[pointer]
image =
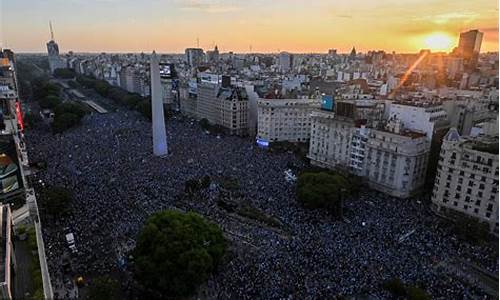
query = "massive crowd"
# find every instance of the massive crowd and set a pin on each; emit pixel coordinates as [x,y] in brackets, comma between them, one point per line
[107,163]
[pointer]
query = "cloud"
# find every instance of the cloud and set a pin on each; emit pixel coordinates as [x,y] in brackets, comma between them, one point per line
[449,17]
[208,6]
[344,16]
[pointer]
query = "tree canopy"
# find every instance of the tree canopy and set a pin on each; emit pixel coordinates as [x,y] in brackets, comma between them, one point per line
[64,73]
[56,200]
[321,190]
[176,252]
[49,102]
[103,288]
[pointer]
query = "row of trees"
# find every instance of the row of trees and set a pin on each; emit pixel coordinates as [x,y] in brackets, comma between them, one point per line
[399,290]
[56,200]
[118,95]
[324,189]
[46,93]
[67,115]
[64,73]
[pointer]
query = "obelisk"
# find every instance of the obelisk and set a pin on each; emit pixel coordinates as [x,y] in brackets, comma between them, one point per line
[160,147]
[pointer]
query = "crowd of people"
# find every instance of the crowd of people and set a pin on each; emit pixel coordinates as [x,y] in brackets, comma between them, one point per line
[117,183]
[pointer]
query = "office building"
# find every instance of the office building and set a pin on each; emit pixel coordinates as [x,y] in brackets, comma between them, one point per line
[55,61]
[392,159]
[285,119]
[469,47]
[396,160]
[467,178]
[285,62]
[330,142]
[194,57]
[222,104]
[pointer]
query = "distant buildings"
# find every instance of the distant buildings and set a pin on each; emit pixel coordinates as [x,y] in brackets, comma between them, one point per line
[213,56]
[469,47]
[467,178]
[194,57]
[285,62]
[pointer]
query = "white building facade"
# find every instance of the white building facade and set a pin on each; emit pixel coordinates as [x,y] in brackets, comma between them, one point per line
[285,119]
[467,178]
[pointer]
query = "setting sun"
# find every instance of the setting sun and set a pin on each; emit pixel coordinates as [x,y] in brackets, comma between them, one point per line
[438,42]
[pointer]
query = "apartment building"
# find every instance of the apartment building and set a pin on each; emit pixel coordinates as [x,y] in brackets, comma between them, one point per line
[224,105]
[396,160]
[285,119]
[331,138]
[391,158]
[467,178]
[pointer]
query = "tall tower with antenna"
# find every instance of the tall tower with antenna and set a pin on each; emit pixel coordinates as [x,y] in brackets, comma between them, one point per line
[55,61]
[51,31]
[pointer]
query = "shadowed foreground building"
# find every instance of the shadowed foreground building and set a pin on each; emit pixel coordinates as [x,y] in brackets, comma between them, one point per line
[467,178]
[7,258]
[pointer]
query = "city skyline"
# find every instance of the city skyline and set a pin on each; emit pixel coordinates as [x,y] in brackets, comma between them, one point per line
[252,26]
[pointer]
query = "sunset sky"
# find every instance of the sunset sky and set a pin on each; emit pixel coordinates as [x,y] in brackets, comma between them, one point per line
[268,25]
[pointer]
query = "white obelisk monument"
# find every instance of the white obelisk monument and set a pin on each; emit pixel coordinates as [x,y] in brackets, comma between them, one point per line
[160,147]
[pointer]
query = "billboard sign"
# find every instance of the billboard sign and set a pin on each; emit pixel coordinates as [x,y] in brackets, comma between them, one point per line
[327,102]
[167,71]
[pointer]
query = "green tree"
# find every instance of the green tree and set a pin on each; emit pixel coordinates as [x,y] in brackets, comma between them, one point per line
[472,229]
[204,124]
[416,293]
[56,200]
[320,190]
[64,73]
[131,100]
[102,88]
[205,182]
[395,287]
[70,107]
[49,102]
[65,121]
[176,252]
[144,107]
[103,288]
[86,81]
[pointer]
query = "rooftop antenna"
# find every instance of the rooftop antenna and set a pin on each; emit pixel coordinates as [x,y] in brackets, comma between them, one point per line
[51,31]
[250,48]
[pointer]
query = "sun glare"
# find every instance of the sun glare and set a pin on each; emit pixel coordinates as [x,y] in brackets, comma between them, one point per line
[438,42]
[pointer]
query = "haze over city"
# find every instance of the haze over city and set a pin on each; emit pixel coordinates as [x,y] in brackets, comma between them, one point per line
[300,26]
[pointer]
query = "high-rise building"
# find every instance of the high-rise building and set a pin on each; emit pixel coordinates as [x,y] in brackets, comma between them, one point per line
[194,57]
[286,61]
[159,132]
[469,47]
[55,61]
[223,104]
